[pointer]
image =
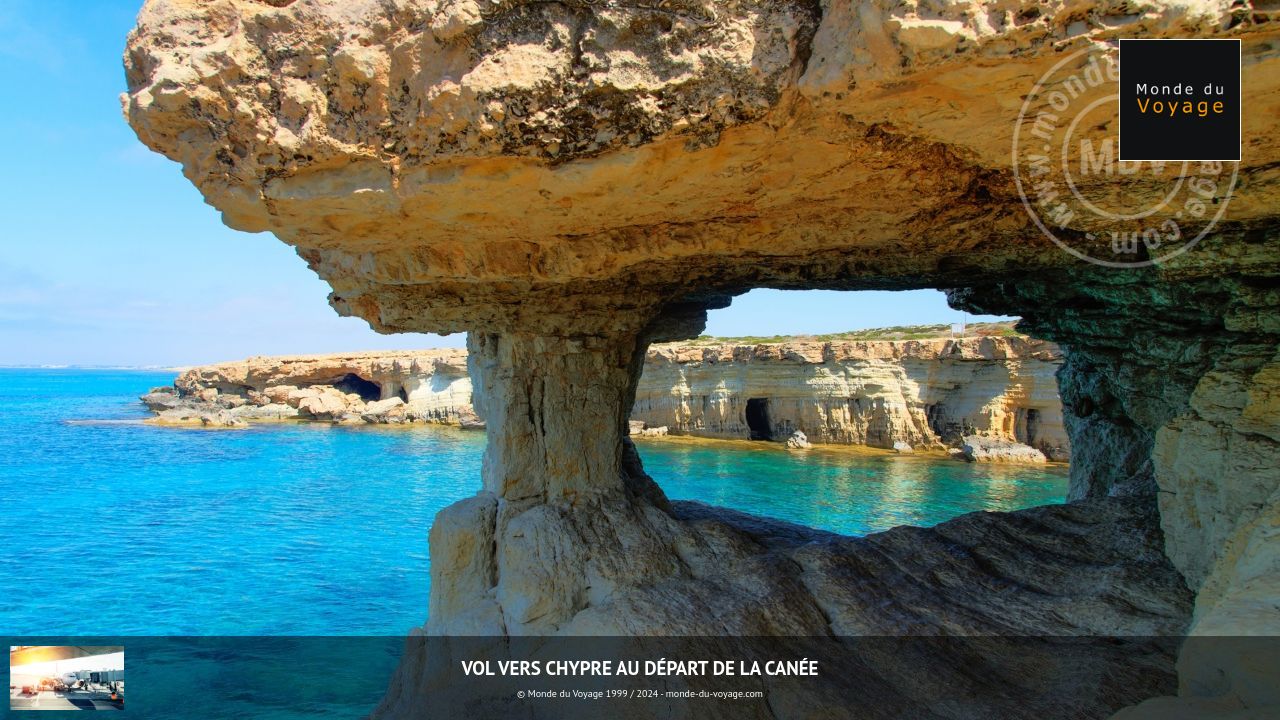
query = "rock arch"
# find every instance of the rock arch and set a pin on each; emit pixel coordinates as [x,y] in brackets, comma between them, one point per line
[568,184]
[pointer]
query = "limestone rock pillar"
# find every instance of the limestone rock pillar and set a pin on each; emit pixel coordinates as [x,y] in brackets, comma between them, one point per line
[556,410]
[562,488]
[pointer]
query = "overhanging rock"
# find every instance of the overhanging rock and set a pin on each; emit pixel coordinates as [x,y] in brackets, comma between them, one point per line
[570,181]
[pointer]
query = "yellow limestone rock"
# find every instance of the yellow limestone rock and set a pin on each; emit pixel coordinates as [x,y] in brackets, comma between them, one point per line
[569,182]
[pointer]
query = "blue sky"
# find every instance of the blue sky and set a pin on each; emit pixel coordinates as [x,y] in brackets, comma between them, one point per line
[109,661]
[110,257]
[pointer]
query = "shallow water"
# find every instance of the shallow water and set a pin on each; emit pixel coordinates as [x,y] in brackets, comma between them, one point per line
[127,529]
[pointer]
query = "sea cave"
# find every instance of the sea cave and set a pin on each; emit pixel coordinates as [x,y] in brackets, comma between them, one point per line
[570,215]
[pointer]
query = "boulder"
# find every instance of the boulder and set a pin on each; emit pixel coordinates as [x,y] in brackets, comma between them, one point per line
[391,410]
[1057,453]
[270,411]
[975,448]
[181,415]
[160,401]
[295,396]
[199,416]
[330,406]
[230,400]
[222,419]
[798,441]
[284,394]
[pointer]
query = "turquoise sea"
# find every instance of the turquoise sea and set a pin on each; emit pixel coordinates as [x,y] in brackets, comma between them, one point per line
[114,527]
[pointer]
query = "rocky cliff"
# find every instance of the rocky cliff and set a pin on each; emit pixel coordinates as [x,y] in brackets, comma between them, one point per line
[921,393]
[881,393]
[378,387]
[570,182]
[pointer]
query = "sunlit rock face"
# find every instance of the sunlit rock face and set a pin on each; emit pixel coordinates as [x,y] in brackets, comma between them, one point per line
[924,393]
[572,181]
[921,393]
[374,387]
[406,148]
[1166,391]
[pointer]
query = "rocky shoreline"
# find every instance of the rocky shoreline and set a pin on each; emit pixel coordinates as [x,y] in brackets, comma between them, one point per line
[991,399]
[985,392]
[569,186]
[353,388]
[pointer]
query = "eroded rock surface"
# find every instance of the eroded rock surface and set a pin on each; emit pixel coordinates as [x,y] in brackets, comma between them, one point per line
[412,165]
[644,568]
[571,181]
[1164,391]
[924,393]
[372,387]
[880,393]
[975,448]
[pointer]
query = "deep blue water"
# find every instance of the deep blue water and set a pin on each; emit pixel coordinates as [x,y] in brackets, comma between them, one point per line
[114,527]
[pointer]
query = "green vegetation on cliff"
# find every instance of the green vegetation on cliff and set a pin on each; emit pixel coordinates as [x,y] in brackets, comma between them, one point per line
[896,332]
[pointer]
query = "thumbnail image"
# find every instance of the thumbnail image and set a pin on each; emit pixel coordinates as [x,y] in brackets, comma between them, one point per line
[66,677]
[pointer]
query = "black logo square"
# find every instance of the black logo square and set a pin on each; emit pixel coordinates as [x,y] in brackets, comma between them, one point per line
[1180,100]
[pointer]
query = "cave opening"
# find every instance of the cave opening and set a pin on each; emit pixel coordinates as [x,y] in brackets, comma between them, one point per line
[790,371]
[775,362]
[758,419]
[368,390]
[558,330]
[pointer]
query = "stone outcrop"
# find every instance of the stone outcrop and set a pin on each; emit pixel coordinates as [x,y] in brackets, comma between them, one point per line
[1089,569]
[373,387]
[925,393]
[880,393]
[798,441]
[570,182]
[1163,403]
[975,448]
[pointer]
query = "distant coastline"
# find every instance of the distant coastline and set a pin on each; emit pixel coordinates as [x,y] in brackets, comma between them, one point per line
[138,368]
[991,395]
[902,332]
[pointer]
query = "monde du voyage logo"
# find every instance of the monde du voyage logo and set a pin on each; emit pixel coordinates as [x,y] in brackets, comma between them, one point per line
[1127,156]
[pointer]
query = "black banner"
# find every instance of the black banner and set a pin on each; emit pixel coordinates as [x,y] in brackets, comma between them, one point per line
[648,677]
